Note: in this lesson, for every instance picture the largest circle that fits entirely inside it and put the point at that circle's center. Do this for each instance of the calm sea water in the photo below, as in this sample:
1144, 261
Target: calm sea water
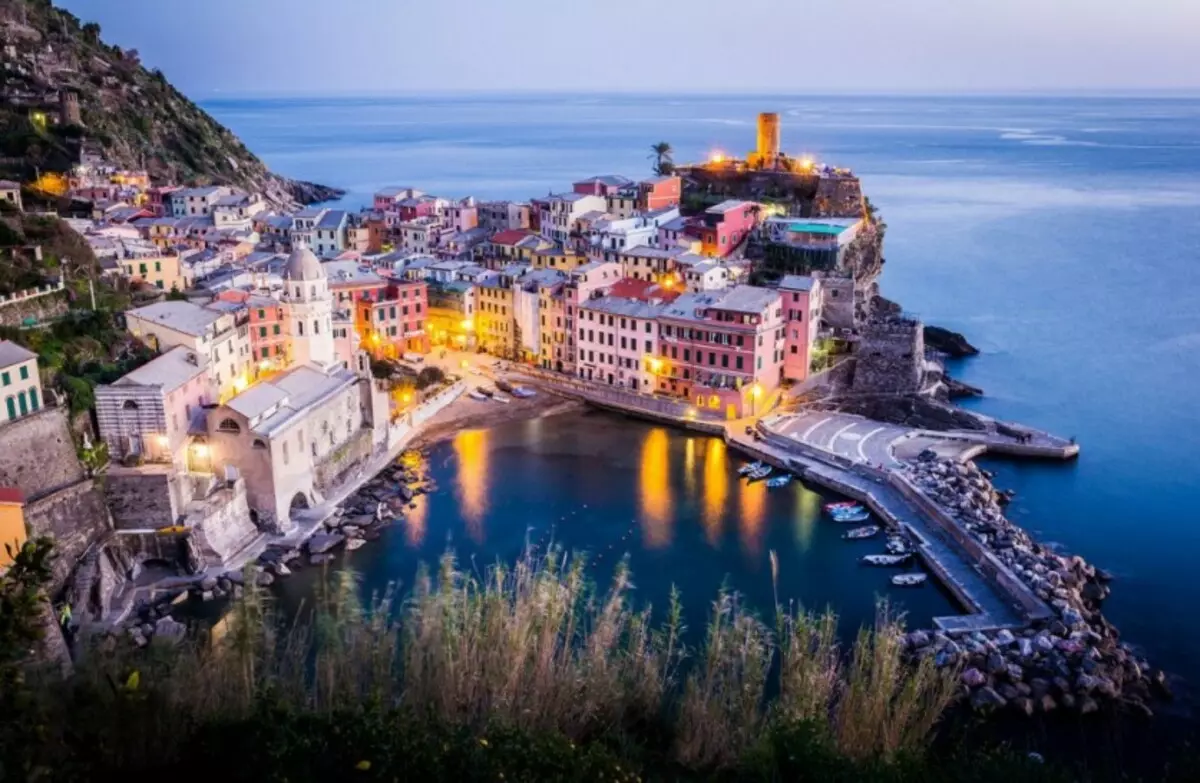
1061, 235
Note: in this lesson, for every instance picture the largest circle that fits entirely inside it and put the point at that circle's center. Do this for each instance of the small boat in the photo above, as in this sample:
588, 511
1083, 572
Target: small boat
498, 397
522, 392
841, 504
859, 533
779, 481
897, 546
485, 391
749, 467
475, 395
760, 473
504, 386
885, 560
909, 580
861, 516
845, 510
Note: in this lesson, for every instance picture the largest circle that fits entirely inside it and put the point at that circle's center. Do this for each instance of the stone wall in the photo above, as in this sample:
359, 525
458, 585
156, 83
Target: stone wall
43, 307
37, 454
890, 358
75, 517
343, 459
837, 302
141, 499
220, 527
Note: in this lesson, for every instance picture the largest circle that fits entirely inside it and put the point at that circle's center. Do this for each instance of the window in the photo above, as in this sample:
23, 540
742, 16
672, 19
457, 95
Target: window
262, 331
724, 360
262, 314
141, 269
157, 266
275, 329
738, 363
230, 426
24, 372
12, 407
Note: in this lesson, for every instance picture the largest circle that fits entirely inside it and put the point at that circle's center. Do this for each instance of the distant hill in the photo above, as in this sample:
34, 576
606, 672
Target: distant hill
127, 114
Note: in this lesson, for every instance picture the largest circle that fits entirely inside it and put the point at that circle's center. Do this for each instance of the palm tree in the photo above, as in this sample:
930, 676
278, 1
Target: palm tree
662, 158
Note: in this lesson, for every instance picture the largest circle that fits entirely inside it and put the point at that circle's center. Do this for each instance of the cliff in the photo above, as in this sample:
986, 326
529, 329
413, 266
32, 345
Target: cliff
64, 90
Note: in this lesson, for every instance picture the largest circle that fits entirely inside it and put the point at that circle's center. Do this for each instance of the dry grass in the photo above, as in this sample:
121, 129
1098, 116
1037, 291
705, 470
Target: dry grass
534, 647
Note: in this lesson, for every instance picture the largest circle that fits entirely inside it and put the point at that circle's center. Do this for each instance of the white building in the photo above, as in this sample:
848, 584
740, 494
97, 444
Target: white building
214, 335
561, 212
195, 202
329, 232
236, 210
19, 382
308, 305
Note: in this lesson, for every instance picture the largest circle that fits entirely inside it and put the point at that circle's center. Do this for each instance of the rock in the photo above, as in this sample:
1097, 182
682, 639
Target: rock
1043, 643
1086, 683
987, 699
236, 577
1046, 703
1015, 672
208, 583
1088, 706
1024, 647
973, 677
169, 631
264, 579
323, 542
995, 663
1058, 629
207, 595
1139, 707
918, 639
1067, 700
1024, 705
1159, 685
1009, 692
1004, 637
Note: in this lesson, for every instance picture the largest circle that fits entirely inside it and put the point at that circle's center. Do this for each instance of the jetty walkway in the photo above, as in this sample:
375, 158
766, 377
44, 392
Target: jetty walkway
862, 459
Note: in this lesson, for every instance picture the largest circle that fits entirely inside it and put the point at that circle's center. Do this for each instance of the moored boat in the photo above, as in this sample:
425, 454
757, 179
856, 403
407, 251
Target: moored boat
860, 516
498, 397
749, 467
779, 481
841, 504
522, 392
475, 395
485, 391
845, 510
859, 533
885, 560
909, 580
760, 473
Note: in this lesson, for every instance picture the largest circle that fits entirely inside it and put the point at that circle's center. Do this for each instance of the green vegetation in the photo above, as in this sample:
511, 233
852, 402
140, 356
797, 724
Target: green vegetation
661, 152
430, 376
82, 350
526, 673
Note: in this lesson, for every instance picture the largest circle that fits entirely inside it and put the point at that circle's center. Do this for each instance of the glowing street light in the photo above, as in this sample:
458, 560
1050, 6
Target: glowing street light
716, 157
467, 324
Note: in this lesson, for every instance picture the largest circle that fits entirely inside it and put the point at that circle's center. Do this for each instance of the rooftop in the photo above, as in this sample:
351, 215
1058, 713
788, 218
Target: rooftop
343, 273
290, 394
11, 353
170, 370
332, 218
728, 206
631, 308
178, 315
747, 299
796, 283
612, 180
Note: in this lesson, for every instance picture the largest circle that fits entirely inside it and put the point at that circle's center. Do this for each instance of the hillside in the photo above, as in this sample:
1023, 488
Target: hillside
129, 115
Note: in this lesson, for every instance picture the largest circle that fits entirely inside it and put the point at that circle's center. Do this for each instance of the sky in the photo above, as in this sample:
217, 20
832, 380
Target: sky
315, 47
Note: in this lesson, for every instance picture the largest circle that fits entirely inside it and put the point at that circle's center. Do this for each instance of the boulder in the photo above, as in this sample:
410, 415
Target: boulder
169, 631
918, 639
208, 583
1024, 705
973, 678
1088, 705
987, 699
264, 579
1046, 703
1004, 637
995, 663
323, 542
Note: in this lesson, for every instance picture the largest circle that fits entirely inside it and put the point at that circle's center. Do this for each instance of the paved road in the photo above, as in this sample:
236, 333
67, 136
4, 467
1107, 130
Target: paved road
852, 437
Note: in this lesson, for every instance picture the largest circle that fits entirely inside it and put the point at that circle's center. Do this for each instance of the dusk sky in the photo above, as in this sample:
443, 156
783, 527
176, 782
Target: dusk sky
365, 46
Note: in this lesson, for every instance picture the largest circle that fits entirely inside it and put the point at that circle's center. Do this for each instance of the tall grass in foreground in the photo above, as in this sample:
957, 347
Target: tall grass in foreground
533, 647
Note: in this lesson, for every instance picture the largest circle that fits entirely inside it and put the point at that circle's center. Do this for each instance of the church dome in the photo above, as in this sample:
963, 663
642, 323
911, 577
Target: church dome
302, 265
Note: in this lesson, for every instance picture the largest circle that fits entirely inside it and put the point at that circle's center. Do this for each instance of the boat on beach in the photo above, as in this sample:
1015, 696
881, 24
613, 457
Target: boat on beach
885, 560
498, 397
860, 533
476, 395
909, 580
749, 467
485, 391
522, 392
779, 481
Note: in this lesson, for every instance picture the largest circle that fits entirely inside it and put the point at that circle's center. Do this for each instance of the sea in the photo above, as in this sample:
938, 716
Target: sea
1061, 235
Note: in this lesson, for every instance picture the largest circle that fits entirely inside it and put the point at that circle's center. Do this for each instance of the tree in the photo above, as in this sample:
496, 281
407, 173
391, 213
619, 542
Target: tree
21, 601
430, 376
91, 31
663, 165
175, 295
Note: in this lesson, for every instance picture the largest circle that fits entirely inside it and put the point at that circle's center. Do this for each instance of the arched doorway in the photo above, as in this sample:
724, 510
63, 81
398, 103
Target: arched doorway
299, 502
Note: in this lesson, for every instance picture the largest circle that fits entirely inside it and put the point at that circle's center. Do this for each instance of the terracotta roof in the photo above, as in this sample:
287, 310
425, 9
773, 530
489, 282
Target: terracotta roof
510, 237
642, 290
12, 495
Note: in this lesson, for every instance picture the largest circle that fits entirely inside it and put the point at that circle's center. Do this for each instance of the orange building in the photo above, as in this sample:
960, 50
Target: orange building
12, 523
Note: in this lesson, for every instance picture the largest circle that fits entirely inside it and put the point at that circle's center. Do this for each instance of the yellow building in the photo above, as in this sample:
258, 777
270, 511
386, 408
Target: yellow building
495, 320
163, 272
12, 523
558, 258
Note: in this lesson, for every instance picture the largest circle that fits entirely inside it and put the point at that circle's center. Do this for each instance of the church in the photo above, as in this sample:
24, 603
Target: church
291, 436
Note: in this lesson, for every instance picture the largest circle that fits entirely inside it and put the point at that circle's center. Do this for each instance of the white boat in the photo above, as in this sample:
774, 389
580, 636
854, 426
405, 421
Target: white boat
859, 533
779, 481
909, 580
897, 546
842, 511
861, 516
841, 504
885, 560
504, 398
522, 392
760, 473
474, 395
749, 467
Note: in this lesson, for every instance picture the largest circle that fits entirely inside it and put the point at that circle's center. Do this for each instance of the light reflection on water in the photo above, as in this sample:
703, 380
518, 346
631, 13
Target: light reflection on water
655, 489
716, 489
471, 449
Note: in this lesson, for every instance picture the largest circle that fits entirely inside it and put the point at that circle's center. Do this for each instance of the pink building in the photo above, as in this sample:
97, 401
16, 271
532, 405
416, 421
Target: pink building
617, 335
417, 207
723, 350
392, 322
158, 200
801, 316
267, 323
460, 215
388, 199
659, 193
723, 227
583, 283
603, 185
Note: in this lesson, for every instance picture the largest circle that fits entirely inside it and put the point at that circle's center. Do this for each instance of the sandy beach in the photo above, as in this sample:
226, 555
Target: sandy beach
466, 414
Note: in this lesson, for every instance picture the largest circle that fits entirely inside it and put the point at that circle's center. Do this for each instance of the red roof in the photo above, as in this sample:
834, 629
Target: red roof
11, 495
642, 290
510, 237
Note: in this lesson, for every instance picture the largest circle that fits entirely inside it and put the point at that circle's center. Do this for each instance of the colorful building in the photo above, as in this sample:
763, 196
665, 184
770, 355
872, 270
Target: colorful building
164, 272
20, 382
452, 314
802, 318
392, 322
12, 524
723, 227
495, 324
723, 350
617, 335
